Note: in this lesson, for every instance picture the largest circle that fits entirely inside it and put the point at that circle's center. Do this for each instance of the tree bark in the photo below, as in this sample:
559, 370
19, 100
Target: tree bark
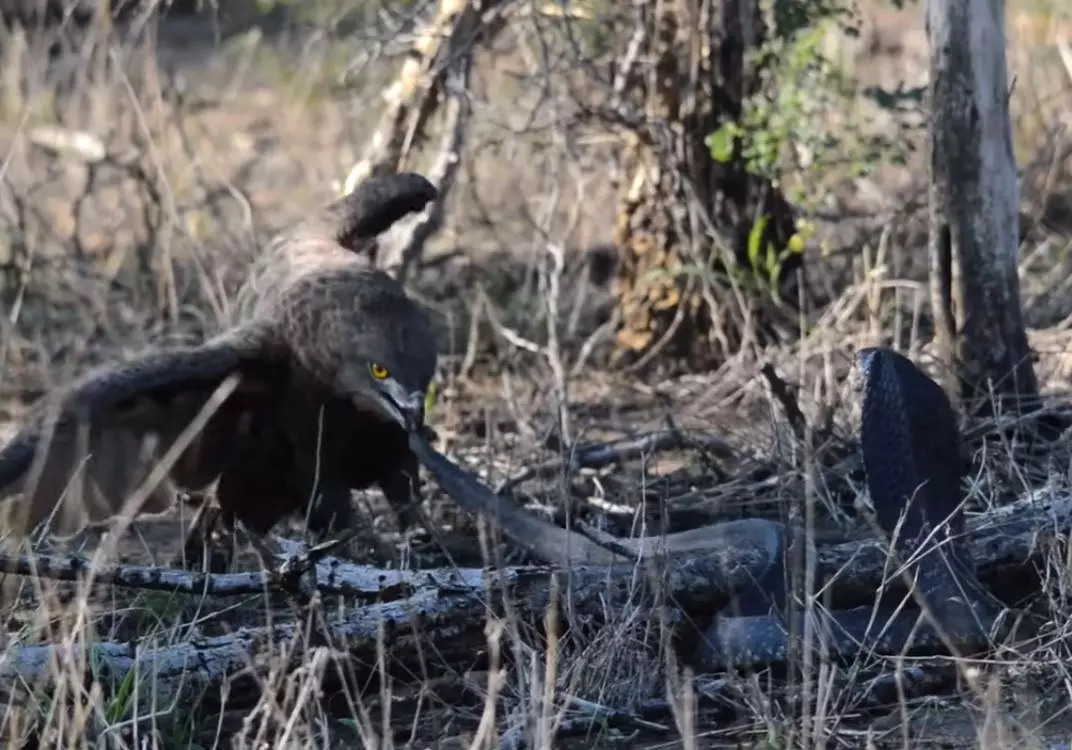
684, 214
974, 208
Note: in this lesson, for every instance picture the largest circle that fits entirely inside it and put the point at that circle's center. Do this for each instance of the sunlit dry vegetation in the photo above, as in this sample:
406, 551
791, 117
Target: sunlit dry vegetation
147, 159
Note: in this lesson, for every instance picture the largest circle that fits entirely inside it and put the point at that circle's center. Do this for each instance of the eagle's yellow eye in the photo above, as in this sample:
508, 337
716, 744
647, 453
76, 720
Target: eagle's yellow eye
378, 371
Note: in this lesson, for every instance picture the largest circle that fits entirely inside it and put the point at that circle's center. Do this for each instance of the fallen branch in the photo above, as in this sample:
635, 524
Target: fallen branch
700, 570
333, 576
77, 568
166, 671
444, 610
1005, 543
440, 612
596, 456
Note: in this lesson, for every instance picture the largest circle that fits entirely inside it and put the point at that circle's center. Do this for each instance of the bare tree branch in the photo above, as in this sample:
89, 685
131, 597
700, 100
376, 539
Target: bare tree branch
437, 70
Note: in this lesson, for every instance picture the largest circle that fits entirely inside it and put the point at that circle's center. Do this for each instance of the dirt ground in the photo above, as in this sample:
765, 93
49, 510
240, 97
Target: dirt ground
219, 136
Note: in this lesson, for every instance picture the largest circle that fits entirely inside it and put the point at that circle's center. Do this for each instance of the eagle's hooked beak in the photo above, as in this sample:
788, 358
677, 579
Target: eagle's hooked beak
407, 409
412, 409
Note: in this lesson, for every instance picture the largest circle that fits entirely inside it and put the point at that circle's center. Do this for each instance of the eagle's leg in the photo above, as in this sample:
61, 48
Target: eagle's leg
257, 540
334, 526
211, 537
402, 490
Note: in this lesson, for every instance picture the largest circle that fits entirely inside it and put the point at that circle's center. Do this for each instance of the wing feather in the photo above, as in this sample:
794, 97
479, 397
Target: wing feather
85, 451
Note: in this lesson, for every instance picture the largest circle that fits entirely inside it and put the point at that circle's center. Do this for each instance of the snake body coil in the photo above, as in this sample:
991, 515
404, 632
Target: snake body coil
910, 444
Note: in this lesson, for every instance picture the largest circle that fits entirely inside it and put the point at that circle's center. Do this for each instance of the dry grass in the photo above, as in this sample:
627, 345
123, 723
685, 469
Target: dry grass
211, 147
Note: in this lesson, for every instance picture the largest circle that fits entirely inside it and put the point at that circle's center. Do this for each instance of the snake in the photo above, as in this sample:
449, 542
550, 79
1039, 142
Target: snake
910, 443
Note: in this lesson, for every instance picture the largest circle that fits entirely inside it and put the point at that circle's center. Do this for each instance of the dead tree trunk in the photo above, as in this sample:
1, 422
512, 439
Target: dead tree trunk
435, 73
974, 209
678, 197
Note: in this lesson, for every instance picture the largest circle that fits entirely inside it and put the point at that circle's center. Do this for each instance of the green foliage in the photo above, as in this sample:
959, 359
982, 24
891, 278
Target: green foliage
723, 142
766, 259
900, 99
120, 704
429, 399
797, 128
803, 92
766, 262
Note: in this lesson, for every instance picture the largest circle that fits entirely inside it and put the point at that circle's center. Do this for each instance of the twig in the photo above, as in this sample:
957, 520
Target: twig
1064, 49
596, 456
512, 337
436, 70
780, 391
78, 144
443, 172
553, 350
333, 576
472, 345
152, 578
602, 713
625, 72
600, 334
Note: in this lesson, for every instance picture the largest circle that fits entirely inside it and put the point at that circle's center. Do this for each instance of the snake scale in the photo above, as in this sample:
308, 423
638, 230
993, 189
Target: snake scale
911, 452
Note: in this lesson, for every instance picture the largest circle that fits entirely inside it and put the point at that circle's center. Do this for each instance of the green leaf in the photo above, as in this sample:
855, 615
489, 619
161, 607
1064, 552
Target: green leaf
721, 142
120, 703
755, 239
429, 398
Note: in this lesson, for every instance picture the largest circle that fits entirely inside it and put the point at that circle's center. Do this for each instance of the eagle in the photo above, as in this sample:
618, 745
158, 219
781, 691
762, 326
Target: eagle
310, 391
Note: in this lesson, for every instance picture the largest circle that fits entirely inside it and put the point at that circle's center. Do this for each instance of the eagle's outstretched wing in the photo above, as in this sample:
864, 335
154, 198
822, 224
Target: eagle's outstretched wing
87, 449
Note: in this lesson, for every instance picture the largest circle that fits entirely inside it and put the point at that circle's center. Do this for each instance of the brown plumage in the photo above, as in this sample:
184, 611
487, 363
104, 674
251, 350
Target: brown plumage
332, 361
